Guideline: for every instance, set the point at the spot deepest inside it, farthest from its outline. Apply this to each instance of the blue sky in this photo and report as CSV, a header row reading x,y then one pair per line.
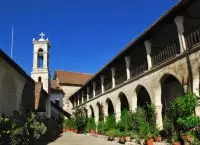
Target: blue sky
x,y
84,34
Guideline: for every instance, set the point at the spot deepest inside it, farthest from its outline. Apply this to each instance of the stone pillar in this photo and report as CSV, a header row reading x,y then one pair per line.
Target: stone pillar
x,y
35,60
134,102
113,76
102,84
128,74
147,44
96,114
94,88
88,90
118,111
196,82
45,55
179,23
159,122
105,110
89,112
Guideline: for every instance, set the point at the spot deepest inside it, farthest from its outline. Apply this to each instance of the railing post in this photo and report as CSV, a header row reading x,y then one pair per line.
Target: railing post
x,y
102,84
88,91
147,44
180,28
113,76
94,88
128,74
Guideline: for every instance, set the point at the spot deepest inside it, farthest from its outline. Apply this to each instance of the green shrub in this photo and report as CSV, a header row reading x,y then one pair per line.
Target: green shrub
x,y
5,129
91,125
80,119
110,122
101,127
188,123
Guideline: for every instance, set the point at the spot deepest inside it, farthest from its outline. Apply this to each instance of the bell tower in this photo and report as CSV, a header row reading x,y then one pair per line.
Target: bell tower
x,y
40,71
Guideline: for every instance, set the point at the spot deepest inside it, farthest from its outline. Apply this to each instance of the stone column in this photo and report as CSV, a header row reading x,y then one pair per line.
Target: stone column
x,y
105,110
102,84
134,102
88,90
159,121
89,112
45,56
94,88
147,44
196,82
179,23
96,114
118,111
128,74
113,76
35,60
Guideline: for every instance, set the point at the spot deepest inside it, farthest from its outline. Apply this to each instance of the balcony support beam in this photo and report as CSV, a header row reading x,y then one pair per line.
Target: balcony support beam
x,y
147,44
128,74
180,28
88,91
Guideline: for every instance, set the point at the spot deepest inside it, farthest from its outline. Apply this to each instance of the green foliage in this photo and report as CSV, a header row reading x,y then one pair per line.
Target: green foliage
x,y
5,129
110,122
91,125
101,127
188,123
80,119
21,129
112,133
123,123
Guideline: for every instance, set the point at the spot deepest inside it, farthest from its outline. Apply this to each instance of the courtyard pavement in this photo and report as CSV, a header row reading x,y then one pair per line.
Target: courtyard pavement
x,y
69,138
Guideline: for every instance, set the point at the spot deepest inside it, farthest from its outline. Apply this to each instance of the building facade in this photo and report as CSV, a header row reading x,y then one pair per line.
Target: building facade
x,y
159,65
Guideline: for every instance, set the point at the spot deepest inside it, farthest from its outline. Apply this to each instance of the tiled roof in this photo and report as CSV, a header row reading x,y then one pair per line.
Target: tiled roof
x,y
55,86
72,78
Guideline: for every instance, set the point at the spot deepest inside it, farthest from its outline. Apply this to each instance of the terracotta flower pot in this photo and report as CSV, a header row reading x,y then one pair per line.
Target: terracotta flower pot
x,y
187,138
128,138
176,143
122,140
110,138
150,142
158,139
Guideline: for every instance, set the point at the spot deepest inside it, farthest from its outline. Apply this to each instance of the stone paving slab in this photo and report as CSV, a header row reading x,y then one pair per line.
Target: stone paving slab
x,y
69,138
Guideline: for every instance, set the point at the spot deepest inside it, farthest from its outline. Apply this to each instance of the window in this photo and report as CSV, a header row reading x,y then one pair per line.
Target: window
x,y
39,79
40,58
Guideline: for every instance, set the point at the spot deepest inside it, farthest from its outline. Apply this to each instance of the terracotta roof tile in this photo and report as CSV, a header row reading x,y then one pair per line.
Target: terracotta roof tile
x,y
72,78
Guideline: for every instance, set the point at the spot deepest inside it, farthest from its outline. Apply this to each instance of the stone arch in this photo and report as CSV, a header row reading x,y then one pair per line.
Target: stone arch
x,y
123,102
92,112
9,95
100,111
111,110
143,97
171,88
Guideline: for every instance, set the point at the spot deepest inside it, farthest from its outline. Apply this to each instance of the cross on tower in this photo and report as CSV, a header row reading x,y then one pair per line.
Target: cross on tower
x,y
42,35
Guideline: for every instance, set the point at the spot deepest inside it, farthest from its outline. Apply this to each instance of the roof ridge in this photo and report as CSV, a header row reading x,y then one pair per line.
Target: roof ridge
x,y
74,72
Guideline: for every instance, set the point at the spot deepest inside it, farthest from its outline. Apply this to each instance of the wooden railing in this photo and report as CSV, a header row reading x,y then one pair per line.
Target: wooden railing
x,y
121,78
108,86
138,70
193,38
169,52
98,91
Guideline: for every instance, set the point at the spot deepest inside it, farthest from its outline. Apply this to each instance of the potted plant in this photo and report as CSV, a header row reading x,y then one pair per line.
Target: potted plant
x,y
111,134
122,137
176,140
127,135
149,138
158,137
91,126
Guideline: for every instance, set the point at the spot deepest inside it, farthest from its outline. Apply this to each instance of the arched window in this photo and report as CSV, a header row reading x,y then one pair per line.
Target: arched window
x,y
40,58
39,79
